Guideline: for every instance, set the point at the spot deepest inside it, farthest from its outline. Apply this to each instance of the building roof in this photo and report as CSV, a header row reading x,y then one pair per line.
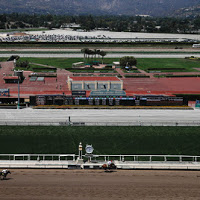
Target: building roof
x,y
77,63
19,34
10,77
95,78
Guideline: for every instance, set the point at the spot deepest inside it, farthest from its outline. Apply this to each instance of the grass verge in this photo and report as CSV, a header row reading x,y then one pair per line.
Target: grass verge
x,y
93,45
159,63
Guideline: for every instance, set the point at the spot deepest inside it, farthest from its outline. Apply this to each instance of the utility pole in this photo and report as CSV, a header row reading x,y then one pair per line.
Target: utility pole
x,y
18,105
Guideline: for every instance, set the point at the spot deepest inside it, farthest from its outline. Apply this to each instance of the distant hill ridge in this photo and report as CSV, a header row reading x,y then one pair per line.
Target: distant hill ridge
x,y
97,7
188,11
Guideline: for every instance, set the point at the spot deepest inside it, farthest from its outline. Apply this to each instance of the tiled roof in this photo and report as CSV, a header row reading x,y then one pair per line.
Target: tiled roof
x,y
95,78
11,77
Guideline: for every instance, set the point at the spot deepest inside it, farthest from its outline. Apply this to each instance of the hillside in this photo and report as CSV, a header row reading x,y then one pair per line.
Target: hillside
x,y
188,11
97,7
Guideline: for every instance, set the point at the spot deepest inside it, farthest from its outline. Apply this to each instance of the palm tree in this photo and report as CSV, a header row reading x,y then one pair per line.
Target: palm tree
x,y
102,53
98,52
84,51
90,52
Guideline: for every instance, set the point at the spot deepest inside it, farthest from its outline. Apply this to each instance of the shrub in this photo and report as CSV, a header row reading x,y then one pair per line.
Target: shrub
x,y
23,64
128,61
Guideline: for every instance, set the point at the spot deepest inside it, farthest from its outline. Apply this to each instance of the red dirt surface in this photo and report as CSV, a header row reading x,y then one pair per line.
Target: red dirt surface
x,y
132,86
167,86
27,184
27,88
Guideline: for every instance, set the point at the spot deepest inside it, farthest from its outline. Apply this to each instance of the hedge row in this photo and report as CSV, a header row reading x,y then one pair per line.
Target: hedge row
x,y
86,69
136,76
174,76
172,68
44,68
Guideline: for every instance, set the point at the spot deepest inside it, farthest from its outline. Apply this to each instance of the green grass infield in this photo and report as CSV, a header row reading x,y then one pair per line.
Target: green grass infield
x,y
105,140
161,64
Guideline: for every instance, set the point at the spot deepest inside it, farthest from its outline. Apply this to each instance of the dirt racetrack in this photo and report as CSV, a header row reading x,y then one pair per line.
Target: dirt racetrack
x,y
96,184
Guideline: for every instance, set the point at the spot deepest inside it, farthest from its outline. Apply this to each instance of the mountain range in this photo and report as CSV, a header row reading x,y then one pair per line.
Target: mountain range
x,y
97,7
188,12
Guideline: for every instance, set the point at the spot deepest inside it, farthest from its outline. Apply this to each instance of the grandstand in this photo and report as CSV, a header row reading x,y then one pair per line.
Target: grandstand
x,y
95,83
62,88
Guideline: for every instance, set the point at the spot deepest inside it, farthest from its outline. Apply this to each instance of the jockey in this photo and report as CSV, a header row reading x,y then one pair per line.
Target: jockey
x,y
4,171
109,163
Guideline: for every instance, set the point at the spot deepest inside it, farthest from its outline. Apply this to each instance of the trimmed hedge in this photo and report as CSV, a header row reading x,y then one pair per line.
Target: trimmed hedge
x,y
86,69
182,76
160,69
136,76
44,68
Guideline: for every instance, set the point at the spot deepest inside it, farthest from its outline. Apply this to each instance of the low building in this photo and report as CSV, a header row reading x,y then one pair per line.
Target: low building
x,y
10,79
78,64
116,64
70,25
14,79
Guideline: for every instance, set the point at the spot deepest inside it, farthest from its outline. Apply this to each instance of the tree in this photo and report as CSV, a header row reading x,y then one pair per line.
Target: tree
x,y
128,61
84,51
2,25
98,51
89,53
13,26
197,23
23,64
92,52
95,54
20,24
102,54
89,23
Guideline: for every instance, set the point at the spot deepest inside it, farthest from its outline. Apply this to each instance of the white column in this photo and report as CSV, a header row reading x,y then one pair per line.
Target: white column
x,y
82,85
95,85
80,151
109,84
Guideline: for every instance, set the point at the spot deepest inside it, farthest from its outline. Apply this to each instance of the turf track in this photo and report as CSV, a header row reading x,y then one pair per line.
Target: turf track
x,y
105,140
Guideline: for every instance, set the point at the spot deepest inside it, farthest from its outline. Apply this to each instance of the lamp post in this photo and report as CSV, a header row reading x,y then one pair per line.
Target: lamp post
x,y
18,105
80,150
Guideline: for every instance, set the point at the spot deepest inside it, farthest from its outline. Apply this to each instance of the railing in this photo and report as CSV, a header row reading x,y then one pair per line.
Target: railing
x,y
37,157
102,158
136,123
150,158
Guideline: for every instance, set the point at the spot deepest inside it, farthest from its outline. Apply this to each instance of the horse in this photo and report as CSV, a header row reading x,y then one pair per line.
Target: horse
x,y
4,175
108,168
